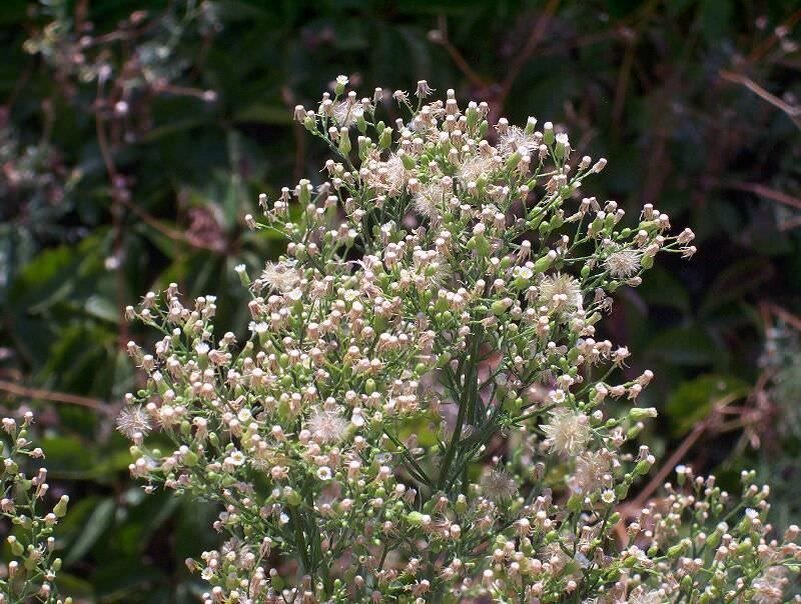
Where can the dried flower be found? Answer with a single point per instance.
(568, 432)
(132, 421)
(623, 263)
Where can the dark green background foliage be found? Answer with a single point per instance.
(135, 135)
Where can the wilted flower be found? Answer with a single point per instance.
(499, 485)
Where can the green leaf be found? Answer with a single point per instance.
(692, 401)
(67, 456)
(100, 520)
(261, 113)
(715, 19)
(663, 288)
(684, 346)
(78, 588)
(102, 308)
(734, 282)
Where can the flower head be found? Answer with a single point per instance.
(516, 139)
(327, 426)
(133, 421)
(560, 292)
(280, 276)
(623, 263)
(499, 485)
(568, 432)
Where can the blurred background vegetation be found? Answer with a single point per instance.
(134, 135)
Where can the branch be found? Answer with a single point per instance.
(783, 314)
(441, 37)
(737, 78)
(764, 191)
(525, 54)
(56, 397)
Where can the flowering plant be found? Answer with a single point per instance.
(419, 412)
(29, 565)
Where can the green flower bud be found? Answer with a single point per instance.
(364, 147)
(385, 139)
(547, 133)
(642, 468)
(544, 263)
(634, 431)
(545, 227)
(344, 141)
(498, 307)
(677, 550)
(16, 547)
(30, 562)
(513, 160)
(713, 540)
(414, 518)
(531, 124)
(292, 497)
(638, 413)
(190, 458)
(60, 509)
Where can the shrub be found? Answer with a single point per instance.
(423, 409)
(29, 565)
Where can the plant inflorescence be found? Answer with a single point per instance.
(29, 564)
(421, 408)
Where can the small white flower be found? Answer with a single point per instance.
(236, 458)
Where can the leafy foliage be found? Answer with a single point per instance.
(694, 102)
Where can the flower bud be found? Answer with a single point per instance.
(60, 509)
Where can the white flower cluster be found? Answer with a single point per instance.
(419, 410)
(28, 565)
